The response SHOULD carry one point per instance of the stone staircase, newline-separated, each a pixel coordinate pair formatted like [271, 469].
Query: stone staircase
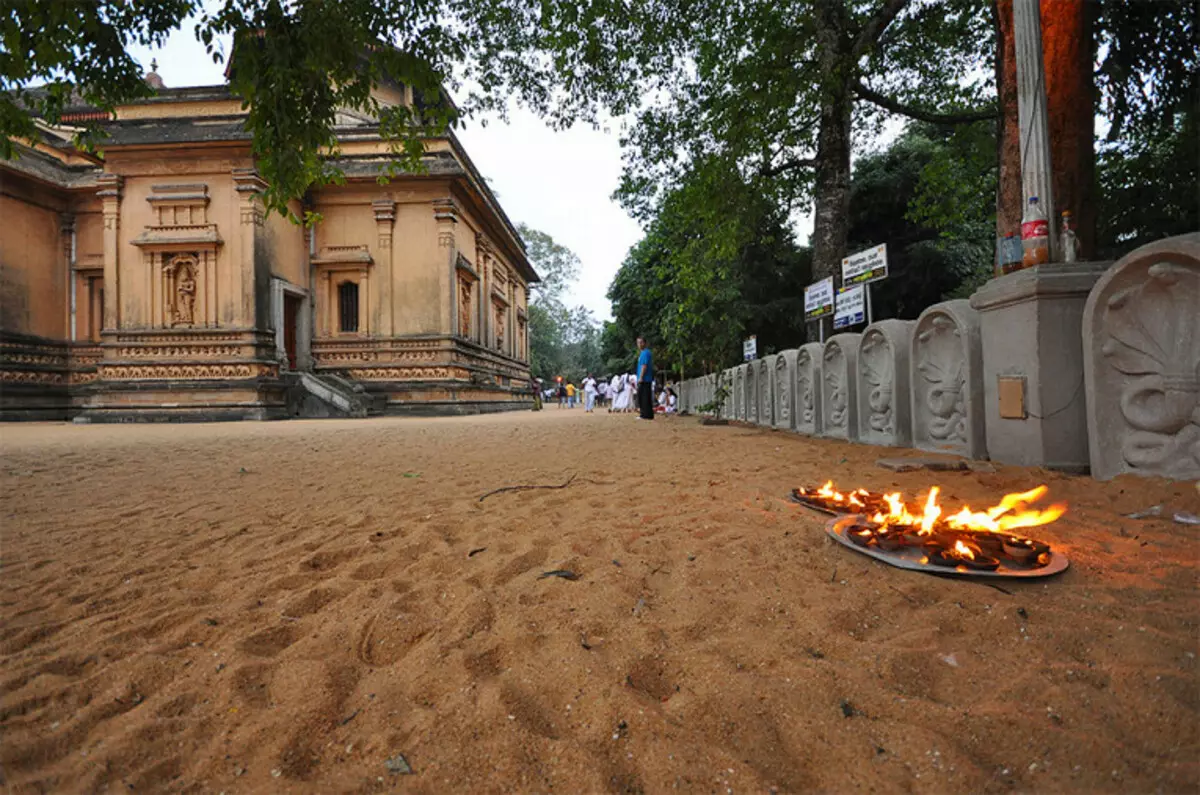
[313, 396]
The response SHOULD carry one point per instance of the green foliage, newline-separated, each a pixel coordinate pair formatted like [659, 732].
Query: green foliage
[562, 341]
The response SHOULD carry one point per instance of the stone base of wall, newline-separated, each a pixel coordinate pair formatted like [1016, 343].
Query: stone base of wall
[186, 401]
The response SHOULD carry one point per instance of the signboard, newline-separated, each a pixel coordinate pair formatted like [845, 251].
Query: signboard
[750, 348]
[865, 266]
[851, 306]
[818, 299]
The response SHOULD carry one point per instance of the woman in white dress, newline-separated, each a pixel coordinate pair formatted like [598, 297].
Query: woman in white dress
[631, 387]
[619, 396]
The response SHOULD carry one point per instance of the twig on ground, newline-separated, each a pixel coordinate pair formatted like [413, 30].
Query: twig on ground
[833, 576]
[562, 485]
[902, 593]
[997, 587]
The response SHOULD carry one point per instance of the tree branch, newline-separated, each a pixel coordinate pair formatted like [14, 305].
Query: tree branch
[789, 165]
[869, 35]
[965, 117]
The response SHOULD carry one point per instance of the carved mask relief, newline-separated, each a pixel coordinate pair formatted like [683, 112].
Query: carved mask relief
[876, 363]
[1152, 336]
[941, 361]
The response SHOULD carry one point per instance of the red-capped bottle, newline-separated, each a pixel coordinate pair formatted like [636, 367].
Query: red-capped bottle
[1035, 235]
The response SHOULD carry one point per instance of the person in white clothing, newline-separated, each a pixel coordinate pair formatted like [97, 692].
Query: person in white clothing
[619, 389]
[589, 393]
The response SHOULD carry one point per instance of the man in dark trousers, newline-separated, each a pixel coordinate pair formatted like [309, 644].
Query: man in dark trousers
[645, 380]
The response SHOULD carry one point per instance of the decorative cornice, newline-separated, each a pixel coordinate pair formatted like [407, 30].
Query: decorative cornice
[445, 210]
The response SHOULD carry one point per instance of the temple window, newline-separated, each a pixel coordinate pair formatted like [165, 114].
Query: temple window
[348, 307]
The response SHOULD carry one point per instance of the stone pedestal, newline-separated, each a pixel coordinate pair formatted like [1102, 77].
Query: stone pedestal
[785, 389]
[808, 389]
[766, 391]
[884, 397]
[947, 381]
[1141, 354]
[1034, 401]
[739, 392]
[839, 393]
[751, 387]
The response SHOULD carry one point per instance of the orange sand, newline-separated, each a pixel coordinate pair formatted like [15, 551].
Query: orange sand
[284, 607]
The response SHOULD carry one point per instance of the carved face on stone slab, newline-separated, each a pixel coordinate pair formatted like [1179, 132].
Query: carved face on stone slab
[941, 361]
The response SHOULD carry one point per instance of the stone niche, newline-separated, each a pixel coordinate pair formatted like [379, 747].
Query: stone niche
[1030, 323]
[884, 400]
[726, 382]
[785, 389]
[808, 389]
[947, 383]
[751, 388]
[1141, 357]
[839, 368]
[766, 391]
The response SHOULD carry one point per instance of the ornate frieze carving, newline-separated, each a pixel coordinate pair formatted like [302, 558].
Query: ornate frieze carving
[1141, 338]
[884, 410]
[178, 352]
[409, 374]
[808, 388]
[947, 391]
[45, 377]
[839, 366]
[147, 372]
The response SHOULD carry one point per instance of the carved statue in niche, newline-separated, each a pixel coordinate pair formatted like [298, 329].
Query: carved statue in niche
[1153, 338]
[875, 361]
[499, 328]
[782, 409]
[837, 396]
[183, 302]
[805, 400]
[464, 308]
[941, 361]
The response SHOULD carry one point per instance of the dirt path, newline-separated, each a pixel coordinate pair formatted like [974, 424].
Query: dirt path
[284, 607]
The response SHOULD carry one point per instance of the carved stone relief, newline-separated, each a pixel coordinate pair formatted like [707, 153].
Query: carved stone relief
[1141, 339]
[785, 389]
[752, 371]
[182, 273]
[839, 415]
[766, 391]
[808, 389]
[728, 378]
[884, 408]
[739, 392]
[947, 390]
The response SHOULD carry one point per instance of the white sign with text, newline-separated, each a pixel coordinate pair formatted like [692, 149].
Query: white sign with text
[865, 266]
[851, 306]
[818, 299]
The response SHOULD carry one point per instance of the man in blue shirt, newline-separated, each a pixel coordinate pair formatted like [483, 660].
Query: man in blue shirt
[645, 380]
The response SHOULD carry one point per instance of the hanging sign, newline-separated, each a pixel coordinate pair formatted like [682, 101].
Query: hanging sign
[818, 299]
[865, 266]
[750, 348]
[851, 306]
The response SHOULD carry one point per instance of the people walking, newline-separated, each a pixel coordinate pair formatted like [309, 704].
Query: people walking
[570, 395]
[589, 393]
[645, 380]
[562, 395]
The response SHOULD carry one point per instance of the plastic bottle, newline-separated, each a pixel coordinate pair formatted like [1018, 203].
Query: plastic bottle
[1035, 235]
[1069, 242]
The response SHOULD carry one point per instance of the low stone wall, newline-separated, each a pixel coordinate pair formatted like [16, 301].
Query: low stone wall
[1013, 373]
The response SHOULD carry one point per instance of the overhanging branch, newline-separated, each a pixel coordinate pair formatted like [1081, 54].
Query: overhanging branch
[870, 33]
[887, 103]
[789, 165]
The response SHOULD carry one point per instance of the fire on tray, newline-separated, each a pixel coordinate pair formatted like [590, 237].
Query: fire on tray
[966, 541]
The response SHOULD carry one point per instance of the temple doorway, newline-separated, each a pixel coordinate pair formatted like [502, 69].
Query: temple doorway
[291, 327]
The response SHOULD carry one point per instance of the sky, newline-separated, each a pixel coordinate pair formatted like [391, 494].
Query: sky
[558, 182]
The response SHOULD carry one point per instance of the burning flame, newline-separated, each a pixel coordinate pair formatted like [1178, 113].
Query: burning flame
[853, 499]
[963, 551]
[1011, 513]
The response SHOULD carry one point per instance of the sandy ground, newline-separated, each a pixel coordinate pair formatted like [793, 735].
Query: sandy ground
[285, 607]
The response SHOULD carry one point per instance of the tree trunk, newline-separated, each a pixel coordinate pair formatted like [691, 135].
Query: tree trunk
[831, 189]
[1008, 136]
[1067, 50]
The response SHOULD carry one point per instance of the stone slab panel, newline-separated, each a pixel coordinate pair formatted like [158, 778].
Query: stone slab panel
[1031, 323]
[808, 389]
[751, 389]
[766, 391]
[947, 381]
[884, 395]
[1141, 354]
[739, 393]
[839, 386]
[785, 389]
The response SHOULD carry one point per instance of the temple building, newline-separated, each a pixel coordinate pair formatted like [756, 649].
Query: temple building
[147, 283]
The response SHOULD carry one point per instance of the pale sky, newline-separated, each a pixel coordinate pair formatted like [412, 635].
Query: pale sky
[556, 182]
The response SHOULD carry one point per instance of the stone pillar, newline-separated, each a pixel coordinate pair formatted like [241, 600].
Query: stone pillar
[1034, 401]
[1141, 360]
[483, 251]
[110, 200]
[947, 381]
[445, 212]
[66, 231]
[808, 389]
[385, 218]
[884, 399]
[839, 387]
[249, 188]
[1033, 114]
